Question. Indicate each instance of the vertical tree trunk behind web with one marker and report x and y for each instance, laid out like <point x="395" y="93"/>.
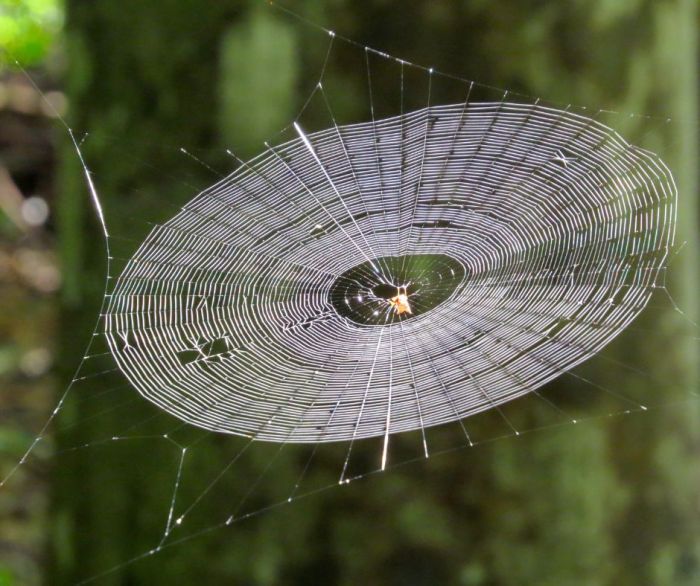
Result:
<point x="140" y="75"/>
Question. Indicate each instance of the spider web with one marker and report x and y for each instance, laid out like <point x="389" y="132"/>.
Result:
<point x="224" y="318"/>
<point x="527" y="236"/>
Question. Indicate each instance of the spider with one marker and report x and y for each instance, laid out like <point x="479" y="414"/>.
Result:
<point x="400" y="302"/>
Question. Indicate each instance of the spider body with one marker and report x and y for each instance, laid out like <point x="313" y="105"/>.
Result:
<point x="400" y="303"/>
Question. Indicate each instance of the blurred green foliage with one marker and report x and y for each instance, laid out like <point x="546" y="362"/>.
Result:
<point x="28" y="30"/>
<point x="251" y="67"/>
<point x="607" y="503"/>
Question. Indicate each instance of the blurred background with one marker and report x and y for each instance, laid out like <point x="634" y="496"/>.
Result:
<point x="612" y="501"/>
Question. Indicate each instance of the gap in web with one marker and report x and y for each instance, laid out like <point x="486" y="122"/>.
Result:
<point x="185" y="498"/>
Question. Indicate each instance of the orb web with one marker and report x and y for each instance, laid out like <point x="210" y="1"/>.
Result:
<point x="523" y="237"/>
